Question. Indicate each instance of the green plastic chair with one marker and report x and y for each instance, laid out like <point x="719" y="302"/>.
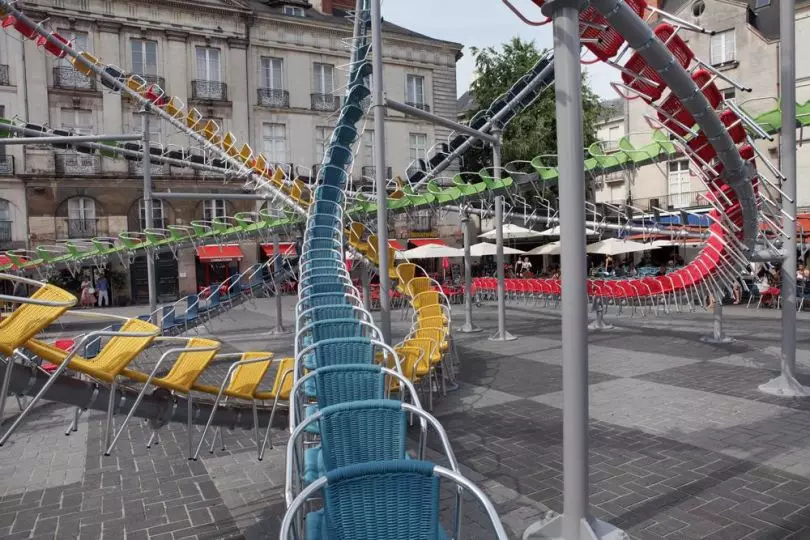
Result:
<point x="546" y="173"/>
<point x="444" y="195"/>
<point x="608" y="162"/>
<point x="493" y="183"/>
<point x="468" y="190"/>
<point x="639" y="156"/>
<point x="5" y="134"/>
<point x="664" y="143"/>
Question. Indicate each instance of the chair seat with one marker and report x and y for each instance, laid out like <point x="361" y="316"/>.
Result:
<point x="313" y="427"/>
<point x="313" y="464"/>
<point x="309" y="361"/>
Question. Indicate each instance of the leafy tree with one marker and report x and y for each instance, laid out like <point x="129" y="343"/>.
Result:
<point x="534" y="131"/>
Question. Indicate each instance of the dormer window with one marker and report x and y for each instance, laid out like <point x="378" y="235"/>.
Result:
<point x="293" y="11"/>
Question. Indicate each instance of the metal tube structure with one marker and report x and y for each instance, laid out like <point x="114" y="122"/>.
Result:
<point x="502" y="334"/>
<point x="279" y="329"/>
<point x="424" y="115"/>
<point x="65" y="139"/>
<point x="717" y="337"/>
<point x="533" y="84"/>
<point x="786" y="384"/>
<point x="147" y="209"/>
<point x="379" y="163"/>
<point x="576" y="522"/>
<point x="468" y="327"/>
<point x="209" y="196"/>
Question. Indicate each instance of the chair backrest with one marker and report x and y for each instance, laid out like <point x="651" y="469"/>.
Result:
<point x="246" y="378"/>
<point x="121" y="350"/>
<point x="362" y="431"/>
<point x="418" y="285"/>
<point x="340" y="328"/>
<point x="193" y="304"/>
<point x="29" y="319"/>
<point x="333" y="352"/>
<point x="345" y="383"/>
<point x="189" y="365"/>
<point x="282" y="385"/>
<point x="395" y="500"/>
<point x="167" y="321"/>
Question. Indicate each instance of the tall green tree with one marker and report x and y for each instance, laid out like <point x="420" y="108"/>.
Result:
<point x="534" y="131"/>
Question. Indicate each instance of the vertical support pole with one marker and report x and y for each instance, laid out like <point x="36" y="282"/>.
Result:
<point x="379" y="165"/>
<point x="278" y="271"/>
<point x="786" y="384"/>
<point x="148" y="211"/>
<point x="717" y="337"/>
<point x="365" y="280"/>
<point x="468" y="327"/>
<point x="502" y="334"/>
<point x="576" y="523"/>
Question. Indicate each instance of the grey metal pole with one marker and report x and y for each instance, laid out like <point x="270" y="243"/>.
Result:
<point x="365" y="280"/>
<point x="576" y="522"/>
<point x="148" y="211"/>
<point x="379" y="163"/>
<point x="279" y="329"/>
<point x="468" y="327"/>
<point x="502" y="334"/>
<point x="57" y="139"/>
<point x="786" y="384"/>
<point x="717" y="337"/>
<point x="430" y="117"/>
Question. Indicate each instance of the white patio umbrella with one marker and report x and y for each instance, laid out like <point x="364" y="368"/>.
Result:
<point x="430" y="251"/>
<point x="485" y="248"/>
<point x="616" y="246"/>
<point x="548" y="249"/>
<point x="511" y="232"/>
<point x="555" y="231"/>
<point x="690" y="243"/>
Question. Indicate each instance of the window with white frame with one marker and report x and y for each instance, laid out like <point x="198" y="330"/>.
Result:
<point x="723" y="48"/>
<point x="417" y="146"/>
<point x="679" y="183"/>
<point x="272" y="73"/>
<point x="208" y="64"/>
<point x="157" y="213"/>
<point x="81" y="208"/>
<point x="78" y="121"/>
<point x="79" y="41"/>
<point x="415" y="90"/>
<point x="322" y="134"/>
<point x="144" y="57"/>
<point x="274" y="137"/>
<point x="293" y="11"/>
<point x="5" y="210"/>
<point x="324" y="78"/>
<point x="613" y="138"/>
<point x="368" y="147"/>
<point x="214" y="208"/>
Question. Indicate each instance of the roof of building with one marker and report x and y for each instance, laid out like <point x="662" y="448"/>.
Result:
<point x="765" y="20"/>
<point x="612" y="108"/>
<point x="466" y="102"/>
<point x="275" y="7"/>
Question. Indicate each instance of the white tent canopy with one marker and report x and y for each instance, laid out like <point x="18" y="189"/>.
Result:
<point x="687" y="243"/>
<point x="616" y="246"/>
<point x="555" y="231"/>
<point x="430" y="251"/>
<point x="486" y="248"/>
<point x="548" y="249"/>
<point x="511" y="232"/>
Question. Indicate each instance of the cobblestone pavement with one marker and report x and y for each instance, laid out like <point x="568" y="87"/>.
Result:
<point x="682" y="444"/>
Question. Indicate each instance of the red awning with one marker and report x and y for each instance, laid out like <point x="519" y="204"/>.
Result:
<point x="287" y="249"/>
<point x="217" y="253"/>
<point x="419" y="242"/>
<point x="396" y="244"/>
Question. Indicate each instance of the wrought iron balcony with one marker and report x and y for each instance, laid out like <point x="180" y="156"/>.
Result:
<point x="370" y="172"/>
<point x="69" y="78"/>
<point x="6" y="165"/>
<point x="82" y="227"/>
<point x="270" y="97"/>
<point x="419" y="105"/>
<point x="209" y="90"/>
<point x="325" y="102"/>
<point x="77" y="164"/>
<point x="158" y="169"/>
<point x="5" y="231"/>
<point x="4" y="78"/>
<point x="422" y="221"/>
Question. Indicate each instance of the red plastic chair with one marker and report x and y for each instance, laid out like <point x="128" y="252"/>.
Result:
<point x="638" y="67"/>
<point x="682" y="119"/>
<point x="20" y="26"/>
<point x="43" y="42"/>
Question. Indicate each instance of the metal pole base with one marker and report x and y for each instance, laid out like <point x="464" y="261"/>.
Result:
<point x="599" y="323"/>
<point x="722" y="339"/>
<point x="589" y="529"/>
<point x="505" y="336"/>
<point x="468" y="329"/>
<point x="785" y="386"/>
<point x="278" y="331"/>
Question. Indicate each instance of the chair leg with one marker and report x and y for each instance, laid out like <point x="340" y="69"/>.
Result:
<point x="267" y="438"/>
<point x="256" y="427"/>
<point x="6" y="383"/>
<point x="130" y="414"/>
<point x="205" y="429"/>
<point x="74" y="424"/>
<point x="153" y="439"/>
<point x="190" y="414"/>
<point x="109" y="426"/>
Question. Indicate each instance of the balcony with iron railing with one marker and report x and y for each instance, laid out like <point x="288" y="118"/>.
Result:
<point x="370" y="172"/>
<point x="69" y="79"/>
<point x="5" y="80"/>
<point x="209" y="90"/>
<point x="6" y="165"/>
<point x="271" y="97"/>
<point x="77" y="164"/>
<point x="158" y="169"/>
<point x="5" y="231"/>
<point x="82" y="227"/>
<point x="422" y="222"/>
<point x="419" y="105"/>
<point x="325" y="102"/>
<point x="671" y="201"/>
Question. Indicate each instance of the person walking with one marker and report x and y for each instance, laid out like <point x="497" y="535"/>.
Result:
<point x="87" y="296"/>
<point x="103" y="287"/>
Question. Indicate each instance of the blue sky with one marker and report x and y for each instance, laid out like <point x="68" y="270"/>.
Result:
<point x="481" y="23"/>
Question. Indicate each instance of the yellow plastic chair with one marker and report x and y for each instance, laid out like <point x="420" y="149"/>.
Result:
<point x="136" y="83"/>
<point x="124" y="346"/>
<point x="246" y="155"/>
<point x="405" y="273"/>
<point x="260" y="165"/>
<point x="278" y="177"/>
<point x="191" y="361"/>
<point x="241" y="382"/>
<point x="83" y="63"/>
<point x="32" y="316"/>
<point x="193" y="118"/>
<point x="229" y="144"/>
<point x="175" y="107"/>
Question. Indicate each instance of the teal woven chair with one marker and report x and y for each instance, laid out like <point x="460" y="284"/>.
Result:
<point x="344" y="351"/>
<point x="315" y="332"/>
<point x="395" y="500"/>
